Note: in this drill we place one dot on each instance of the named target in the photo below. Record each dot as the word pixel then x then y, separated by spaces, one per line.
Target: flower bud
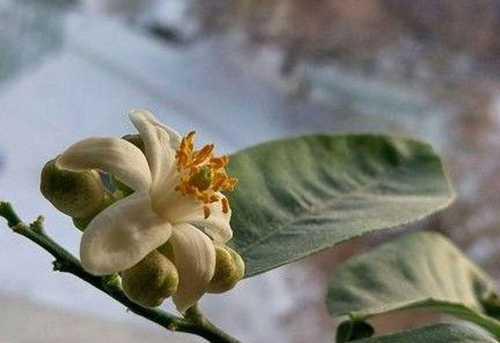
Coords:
pixel 229 269
pixel 77 194
pixel 82 223
pixel 168 251
pixel 151 281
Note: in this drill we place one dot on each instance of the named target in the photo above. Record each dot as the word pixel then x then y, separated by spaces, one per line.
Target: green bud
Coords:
pixel 151 281
pixel 229 269
pixel 168 251
pixel 77 194
pixel 82 223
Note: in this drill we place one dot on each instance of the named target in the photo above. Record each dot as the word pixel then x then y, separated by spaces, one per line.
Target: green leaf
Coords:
pixel 422 270
pixel 299 196
pixel 449 333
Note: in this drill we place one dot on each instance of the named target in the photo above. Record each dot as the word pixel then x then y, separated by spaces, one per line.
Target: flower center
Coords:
pixel 203 175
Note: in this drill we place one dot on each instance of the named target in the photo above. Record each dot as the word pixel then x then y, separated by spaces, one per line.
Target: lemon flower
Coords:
pixel 177 198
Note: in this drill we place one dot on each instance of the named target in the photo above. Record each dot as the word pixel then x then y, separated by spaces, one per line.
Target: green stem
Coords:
pixel 197 320
pixel 194 322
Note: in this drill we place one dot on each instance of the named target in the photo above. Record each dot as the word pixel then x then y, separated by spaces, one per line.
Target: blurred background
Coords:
pixel 240 72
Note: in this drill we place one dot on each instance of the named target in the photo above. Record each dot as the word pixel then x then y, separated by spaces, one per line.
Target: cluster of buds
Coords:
pixel 155 278
pixel 82 195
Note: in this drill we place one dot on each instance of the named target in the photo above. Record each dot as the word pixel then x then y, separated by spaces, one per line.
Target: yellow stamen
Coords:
pixel 203 154
pixel 203 175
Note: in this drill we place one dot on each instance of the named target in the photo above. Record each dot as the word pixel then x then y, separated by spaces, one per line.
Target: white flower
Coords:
pixel 176 199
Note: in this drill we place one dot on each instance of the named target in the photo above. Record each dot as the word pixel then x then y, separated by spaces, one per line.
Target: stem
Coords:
pixel 211 332
pixel 194 322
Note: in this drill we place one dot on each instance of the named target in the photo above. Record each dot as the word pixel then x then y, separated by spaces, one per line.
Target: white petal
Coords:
pixel 186 209
pixel 194 255
pixel 113 155
pixel 122 235
pixel 160 155
pixel 175 137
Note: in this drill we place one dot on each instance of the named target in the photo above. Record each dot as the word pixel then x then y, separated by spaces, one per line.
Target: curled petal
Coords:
pixel 160 155
pixel 122 235
pixel 187 209
pixel 195 261
pixel 112 155
pixel 175 137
